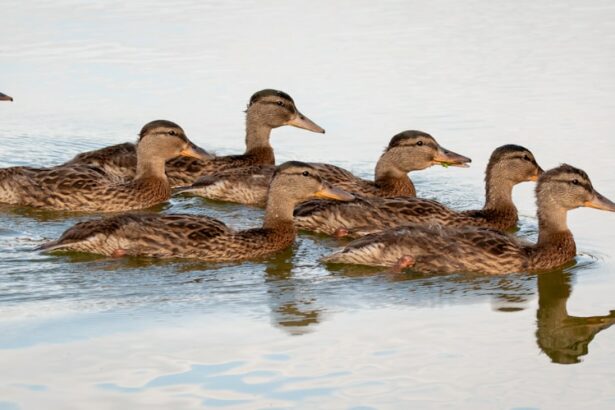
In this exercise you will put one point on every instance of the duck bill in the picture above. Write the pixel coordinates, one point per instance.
(194, 151)
(301, 121)
(329, 192)
(447, 158)
(600, 202)
(4, 97)
(537, 175)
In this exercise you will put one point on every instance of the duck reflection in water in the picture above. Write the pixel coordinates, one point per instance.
(562, 337)
(292, 309)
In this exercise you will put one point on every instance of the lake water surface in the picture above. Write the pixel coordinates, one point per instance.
(86, 332)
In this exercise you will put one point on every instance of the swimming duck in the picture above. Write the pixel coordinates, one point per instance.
(201, 237)
(4, 97)
(508, 165)
(407, 151)
(442, 249)
(267, 109)
(86, 188)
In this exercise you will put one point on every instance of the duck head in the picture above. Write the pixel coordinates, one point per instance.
(513, 164)
(415, 150)
(567, 187)
(300, 182)
(273, 108)
(166, 140)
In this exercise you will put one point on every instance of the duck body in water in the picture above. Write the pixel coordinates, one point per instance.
(407, 151)
(508, 166)
(267, 109)
(88, 188)
(200, 237)
(441, 249)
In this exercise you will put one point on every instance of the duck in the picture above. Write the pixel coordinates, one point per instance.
(407, 151)
(4, 97)
(437, 249)
(508, 166)
(267, 109)
(87, 189)
(202, 237)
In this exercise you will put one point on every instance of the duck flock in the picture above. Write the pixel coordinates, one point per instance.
(388, 224)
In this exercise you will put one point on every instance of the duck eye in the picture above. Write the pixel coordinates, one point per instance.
(305, 174)
(526, 157)
(172, 132)
(575, 182)
(280, 103)
(419, 143)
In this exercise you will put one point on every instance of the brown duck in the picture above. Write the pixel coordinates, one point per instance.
(407, 151)
(87, 188)
(4, 97)
(267, 109)
(201, 237)
(441, 249)
(509, 165)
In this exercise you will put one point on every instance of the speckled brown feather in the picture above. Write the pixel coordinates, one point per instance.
(78, 188)
(438, 249)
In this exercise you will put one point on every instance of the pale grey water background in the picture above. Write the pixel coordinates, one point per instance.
(287, 333)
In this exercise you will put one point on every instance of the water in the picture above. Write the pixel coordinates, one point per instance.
(89, 332)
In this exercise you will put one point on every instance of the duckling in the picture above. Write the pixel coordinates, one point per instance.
(4, 97)
(201, 237)
(267, 109)
(86, 188)
(508, 165)
(407, 151)
(442, 249)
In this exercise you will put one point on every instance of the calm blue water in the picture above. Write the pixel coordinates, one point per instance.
(88, 332)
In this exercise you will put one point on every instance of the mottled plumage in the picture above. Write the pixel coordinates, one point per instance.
(441, 249)
(201, 237)
(90, 189)
(267, 109)
(407, 151)
(508, 166)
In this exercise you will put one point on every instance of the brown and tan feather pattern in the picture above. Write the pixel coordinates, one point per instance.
(204, 238)
(441, 249)
(508, 166)
(407, 151)
(90, 189)
(267, 109)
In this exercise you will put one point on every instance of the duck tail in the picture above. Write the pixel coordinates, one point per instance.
(53, 245)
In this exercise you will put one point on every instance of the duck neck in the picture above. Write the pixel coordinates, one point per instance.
(498, 193)
(257, 133)
(555, 244)
(391, 180)
(279, 211)
(149, 165)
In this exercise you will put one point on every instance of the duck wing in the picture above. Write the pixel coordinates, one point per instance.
(141, 234)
